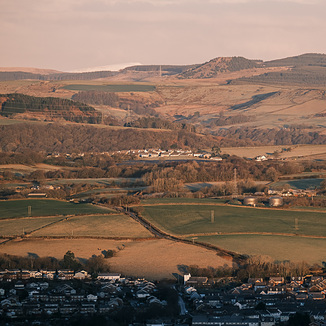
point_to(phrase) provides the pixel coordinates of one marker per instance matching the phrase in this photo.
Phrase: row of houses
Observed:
(62, 274)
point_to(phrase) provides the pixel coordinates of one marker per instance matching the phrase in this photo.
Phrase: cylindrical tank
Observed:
(275, 201)
(250, 201)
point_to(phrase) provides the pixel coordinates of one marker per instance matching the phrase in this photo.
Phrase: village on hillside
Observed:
(49, 297)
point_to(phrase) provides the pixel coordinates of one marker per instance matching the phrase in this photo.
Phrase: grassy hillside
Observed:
(307, 59)
(192, 219)
(250, 231)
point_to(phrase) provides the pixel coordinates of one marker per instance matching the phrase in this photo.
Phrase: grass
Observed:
(181, 200)
(278, 247)
(192, 219)
(45, 207)
(99, 181)
(154, 259)
(299, 184)
(18, 226)
(118, 225)
(111, 88)
(5, 122)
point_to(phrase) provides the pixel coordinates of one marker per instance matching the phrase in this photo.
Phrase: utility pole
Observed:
(296, 224)
(212, 216)
(235, 186)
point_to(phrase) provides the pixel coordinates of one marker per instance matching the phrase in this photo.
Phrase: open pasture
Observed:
(92, 181)
(310, 250)
(298, 184)
(17, 227)
(185, 220)
(296, 151)
(46, 207)
(174, 201)
(111, 88)
(110, 226)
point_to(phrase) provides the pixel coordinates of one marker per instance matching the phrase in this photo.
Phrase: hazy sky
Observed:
(72, 34)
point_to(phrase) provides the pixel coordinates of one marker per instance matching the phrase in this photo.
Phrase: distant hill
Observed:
(307, 69)
(18, 75)
(165, 69)
(308, 59)
(301, 76)
(220, 65)
(30, 70)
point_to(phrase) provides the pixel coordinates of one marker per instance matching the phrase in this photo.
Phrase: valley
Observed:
(114, 154)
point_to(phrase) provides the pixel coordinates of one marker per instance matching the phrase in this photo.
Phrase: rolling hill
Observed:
(240, 101)
(220, 65)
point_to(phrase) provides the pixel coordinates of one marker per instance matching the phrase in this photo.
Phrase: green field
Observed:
(193, 219)
(46, 207)
(19, 226)
(118, 225)
(100, 181)
(181, 201)
(6, 122)
(111, 88)
(299, 183)
(279, 248)
(285, 241)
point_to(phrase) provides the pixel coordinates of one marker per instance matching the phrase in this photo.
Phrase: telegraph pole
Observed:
(235, 187)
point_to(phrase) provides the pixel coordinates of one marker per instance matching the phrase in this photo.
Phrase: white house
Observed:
(109, 276)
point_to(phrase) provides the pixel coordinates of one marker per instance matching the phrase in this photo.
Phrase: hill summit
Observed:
(220, 65)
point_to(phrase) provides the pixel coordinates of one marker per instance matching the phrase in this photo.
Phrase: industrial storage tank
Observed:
(275, 201)
(250, 201)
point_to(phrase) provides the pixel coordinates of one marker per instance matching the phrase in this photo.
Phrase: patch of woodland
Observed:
(158, 123)
(258, 267)
(51, 108)
(55, 137)
(249, 136)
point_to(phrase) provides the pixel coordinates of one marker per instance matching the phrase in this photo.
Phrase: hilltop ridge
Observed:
(220, 65)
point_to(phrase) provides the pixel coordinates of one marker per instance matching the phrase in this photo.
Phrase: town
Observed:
(50, 297)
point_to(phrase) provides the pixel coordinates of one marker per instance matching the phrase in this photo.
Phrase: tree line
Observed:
(95, 264)
(258, 267)
(158, 123)
(247, 136)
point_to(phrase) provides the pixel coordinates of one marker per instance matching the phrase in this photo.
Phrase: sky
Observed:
(70, 35)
